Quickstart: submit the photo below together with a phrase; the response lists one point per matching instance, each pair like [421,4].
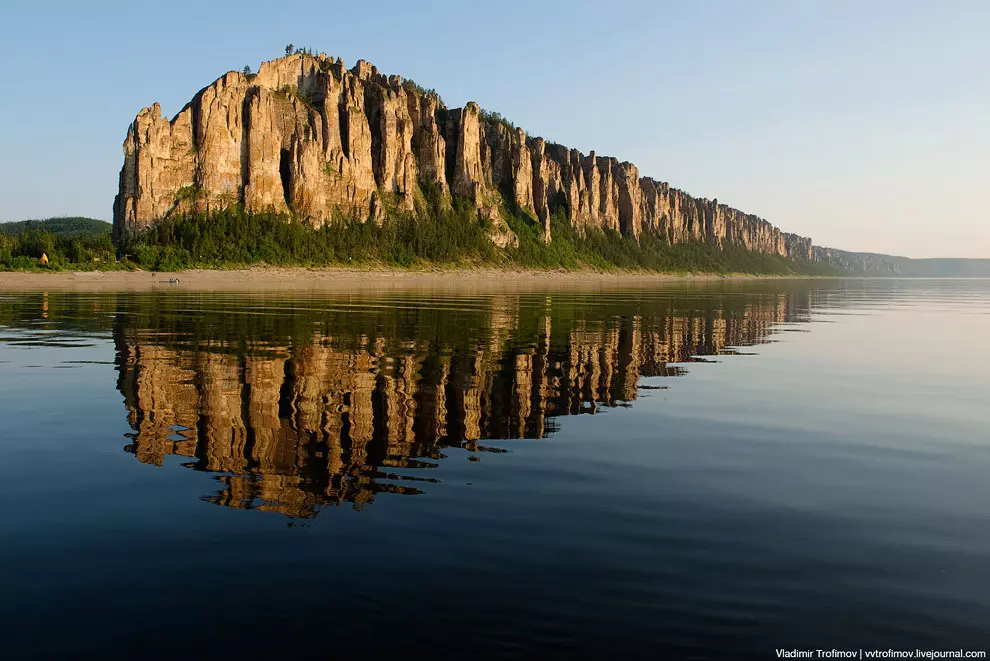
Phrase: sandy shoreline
[301,279]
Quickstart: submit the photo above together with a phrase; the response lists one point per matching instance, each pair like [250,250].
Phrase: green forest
[441,232]
[72,242]
[64,226]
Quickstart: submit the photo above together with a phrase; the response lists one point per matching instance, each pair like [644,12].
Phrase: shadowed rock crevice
[285,174]
[245,151]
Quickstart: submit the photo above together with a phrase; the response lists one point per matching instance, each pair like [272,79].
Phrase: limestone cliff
[309,137]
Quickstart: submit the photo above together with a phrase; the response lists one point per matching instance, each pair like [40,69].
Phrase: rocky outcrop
[428,145]
[159,165]
[309,138]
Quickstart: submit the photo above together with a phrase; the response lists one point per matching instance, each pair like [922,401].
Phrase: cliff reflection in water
[305,404]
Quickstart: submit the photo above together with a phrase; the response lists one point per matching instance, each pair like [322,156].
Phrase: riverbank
[301,278]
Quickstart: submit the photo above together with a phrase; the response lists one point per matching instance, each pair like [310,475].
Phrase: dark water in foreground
[709,470]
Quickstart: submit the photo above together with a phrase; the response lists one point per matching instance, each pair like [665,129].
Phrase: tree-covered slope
[62,226]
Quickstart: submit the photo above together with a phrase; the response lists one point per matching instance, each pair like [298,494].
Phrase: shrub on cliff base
[609,250]
[442,231]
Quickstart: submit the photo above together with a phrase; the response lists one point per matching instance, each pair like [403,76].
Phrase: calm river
[705,470]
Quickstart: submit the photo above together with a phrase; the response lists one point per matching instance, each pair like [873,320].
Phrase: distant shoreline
[303,278]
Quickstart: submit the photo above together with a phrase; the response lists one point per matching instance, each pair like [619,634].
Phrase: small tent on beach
[43,261]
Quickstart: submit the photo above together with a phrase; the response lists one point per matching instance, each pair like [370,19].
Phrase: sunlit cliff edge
[307,138]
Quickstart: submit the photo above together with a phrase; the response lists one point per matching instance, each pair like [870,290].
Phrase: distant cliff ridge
[875,264]
[308,137]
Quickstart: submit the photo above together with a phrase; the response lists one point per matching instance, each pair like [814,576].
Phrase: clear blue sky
[863,124]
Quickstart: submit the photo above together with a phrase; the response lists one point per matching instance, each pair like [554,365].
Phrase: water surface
[703,470]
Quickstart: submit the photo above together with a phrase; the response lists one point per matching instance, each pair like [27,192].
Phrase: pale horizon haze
[864,125]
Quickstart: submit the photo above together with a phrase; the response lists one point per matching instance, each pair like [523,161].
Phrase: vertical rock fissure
[245,146]
[375,124]
[345,130]
[285,174]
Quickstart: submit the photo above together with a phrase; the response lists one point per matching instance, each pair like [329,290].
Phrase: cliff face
[306,135]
